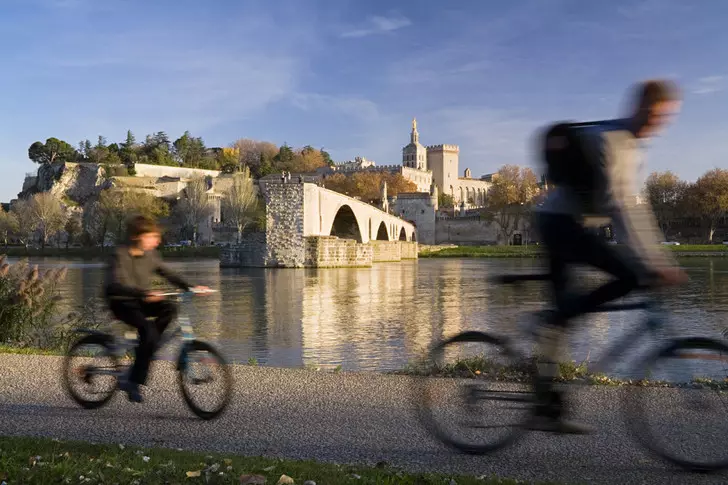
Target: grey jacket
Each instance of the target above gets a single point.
(131, 276)
(634, 225)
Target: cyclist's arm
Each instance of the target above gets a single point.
(634, 224)
(119, 284)
(169, 274)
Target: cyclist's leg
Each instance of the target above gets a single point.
(558, 233)
(131, 313)
(164, 312)
(593, 250)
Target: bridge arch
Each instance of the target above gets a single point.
(345, 224)
(382, 233)
(402, 235)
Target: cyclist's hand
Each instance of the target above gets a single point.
(153, 297)
(201, 289)
(672, 276)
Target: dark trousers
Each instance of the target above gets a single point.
(135, 313)
(567, 243)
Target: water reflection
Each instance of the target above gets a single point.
(382, 317)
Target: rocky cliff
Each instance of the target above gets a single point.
(77, 182)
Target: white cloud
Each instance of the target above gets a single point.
(378, 25)
(355, 107)
(709, 85)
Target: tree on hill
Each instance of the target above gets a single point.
(53, 150)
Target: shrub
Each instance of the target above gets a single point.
(27, 298)
(29, 307)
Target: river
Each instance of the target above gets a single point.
(381, 318)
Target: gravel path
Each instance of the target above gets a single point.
(347, 417)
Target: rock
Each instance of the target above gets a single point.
(252, 480)
(309, 482)
(285, 480)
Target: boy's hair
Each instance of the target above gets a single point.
(138, 225)
(654, 91)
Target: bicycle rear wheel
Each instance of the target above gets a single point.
(200, 363)
(473, 393)
(89, 371)
(680, 414)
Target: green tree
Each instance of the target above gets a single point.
(191, 152)
(708, 198)
(509, 198)
(128, 151)
(445, 201)
(73, 228)
(327, 158)
(53, 150)
(284, 159)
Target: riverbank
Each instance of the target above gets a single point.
(481, 368)
(43, 460)
(535, 251)
(352, 418)
(97, 252)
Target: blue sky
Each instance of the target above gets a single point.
(349, 75)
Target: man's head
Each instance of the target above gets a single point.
(144, 233)
(655, 103)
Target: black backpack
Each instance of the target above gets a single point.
(567, 163)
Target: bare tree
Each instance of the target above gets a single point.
(27, 224)
(49, 215)
(240, 201)
(195, 207)
(8, 225)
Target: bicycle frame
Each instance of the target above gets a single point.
(654, 322)
(182, 328)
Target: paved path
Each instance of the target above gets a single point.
(348, 417)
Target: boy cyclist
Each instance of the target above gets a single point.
(131, 298)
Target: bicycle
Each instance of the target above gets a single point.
(78, 363)
(510, 373)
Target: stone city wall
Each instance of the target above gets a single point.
(332, 252)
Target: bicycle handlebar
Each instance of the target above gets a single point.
(192, 290)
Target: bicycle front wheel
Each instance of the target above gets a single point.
(473, 393)
(205, 379)
(680, 410)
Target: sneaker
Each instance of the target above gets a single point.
(558, 425)
(132, 391)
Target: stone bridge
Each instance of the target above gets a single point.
(329, 213)
(306, 225)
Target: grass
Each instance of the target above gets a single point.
(536, 251)
(96, 252)
(480, 367)
(41, 461)
(10, 349)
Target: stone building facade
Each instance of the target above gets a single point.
(426, 166)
